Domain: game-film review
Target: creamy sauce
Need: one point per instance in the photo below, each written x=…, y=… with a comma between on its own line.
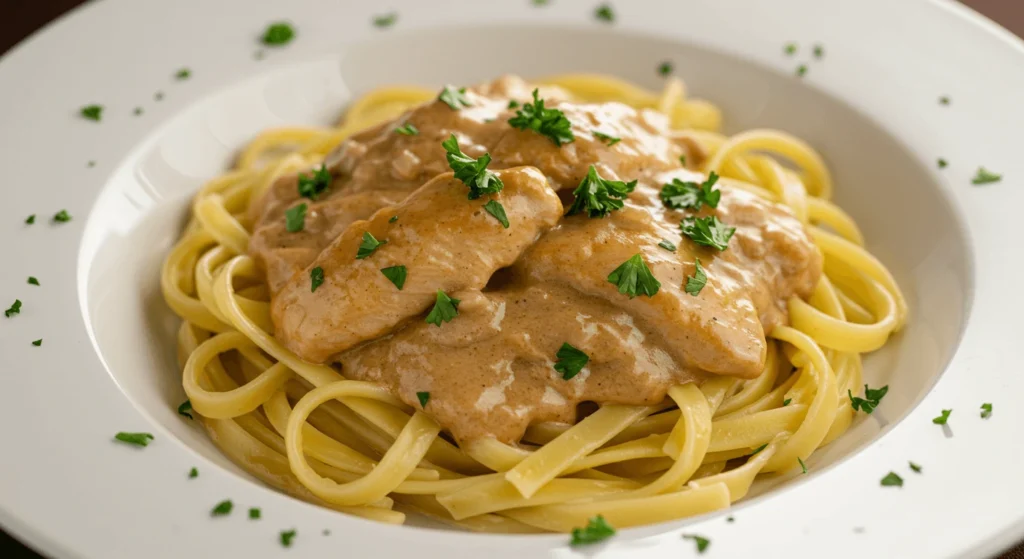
x=530, y=288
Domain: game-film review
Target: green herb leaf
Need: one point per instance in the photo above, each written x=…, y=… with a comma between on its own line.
x=393, y=219
x=667, y=245
x=137, y=111
x=193, y=473
x=943, y=418
x=802, y=465
x=595, y=531
x=62, y=216
x=183, y=74
x=942, y=163
x=915, y=467
x=598, y=196
x=311, y=186
x=872, y=397
x=369, y=245
x=730, y=519
x=801, y=70
x=819, y=51
x=943, y=100
x=92, y=112
x=986, y=411
x=540, y=2
x=984, y=176
x=454, y=98
x=697, y=281
x=786, y=402
x=687, y=194
x=185, y=408
x=546, y=122
x=445, y=309
x=570, y=361
x=892, y=480
x=633, y=278
x=608, y=140
x=472, y=172
x=759, y=449
x=38, y=342
x=423, y=397
x=702, y=543
x=286, y=537
x=280, y=33
x=295, y=218
x=495, y=208
x=14, y=309
x=665, y=68
x=512, y=103
x=316, y=278
x=32, y=280
x=408, y=130
x=395, y=274
x=604, y=13
x=707, y=231
x=255, y=513
x=90, y=164
x=386, y=20
x=137, y=439
x=223, y=508
x=30, y=219
x=789, y=49
x=682, y=160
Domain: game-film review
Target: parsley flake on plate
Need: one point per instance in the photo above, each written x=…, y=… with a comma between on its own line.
x=14, y=309
x=279, y=33
x=396, y=275
x=942, y=418
x=222, y=508
x=697, y=281
x=759, y=449
x=183, y=74
x=495, y=208
x=255, y=513
x=541, y=2
x=608, y=140
x=707, y=231
x=316, y=278
x=551, y=123
x=512, y=103
x=633, y=278
x=193, y=473
x=445, y=309
x=570, y=361
x=137, y=439
x=454, y=98
x=598, y=196
x=801, y=70
x=295, y=218
x=667, y=245
x=423, y=397
x=38, y=342
x=32, y=280
x=313, y=185
x=286, y=537
x=942, y=163
x=680, y=195
x=386, y=20
x=702, y=542
x=472, y=172
x=892, y=480
x=185, y=408
x=665, y=68
x=369, y=245
x=62, y=216
x=159, y=96
x=604, y=13
x=944, y=100
x=92, y=112
x=408, y=130
x=30, y=219
x=819, y=51
x=986, y=411
x=872, y=397
x=137, y=111
x=984, y=176
x=596, y=530
x=393, y=219
x=915, y=467
x=802, y=465
x=789, y=49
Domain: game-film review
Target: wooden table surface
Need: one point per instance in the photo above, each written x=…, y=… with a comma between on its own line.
x=21, y=17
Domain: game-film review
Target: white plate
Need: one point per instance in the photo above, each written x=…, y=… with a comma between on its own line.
x=870, y=105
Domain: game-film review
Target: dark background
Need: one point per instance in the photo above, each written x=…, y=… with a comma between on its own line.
x=19, y=18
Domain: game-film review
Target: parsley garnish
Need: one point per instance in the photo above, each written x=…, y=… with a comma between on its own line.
x=702, y=543
x=137, y=111
x=598, y=196
x=789, y=49
x=707, y=231
x=759, y=449
x=62, y=216
x=255, y=513
x=891, y=479
x=872, y=397
x=369, y=245
x=423, y=397
x=801, y=70
x=183, y=74
x=495, y=208
x=295, y=218
x=570, y=361
x=634, y=278
x=30, y=219
x=986, y=411
x=682, y=160
x=408, y=130
x=984, y=176
x=279, y=33
x=665, y=68
x=667, y=245
x=445, y=309
x=396, y=275
x=697, y=281
x=32, y=280
x=915, y=467
x=608, y=140
x=454, y=98
x=90, y=164
x=92, y=112
x=730, y=519
x=472, y=172
x=38, y=342
x=311, y=186
x=942, y=163
x=943, y=418
x=819, y=51
x=316, y=278
x=687, y=194
x=386, y=20
x=137, y=439
x=943, y=100
x=546, y=122
x=193, y=473
x=15, y=309
x=604, y=13
x=223, y=508
x=512, y=103
x=393, y=219
x=596, y=530
x=802, y=465
x=786, y=402
x=185, y=408
x=286, y=537
x=540, y=2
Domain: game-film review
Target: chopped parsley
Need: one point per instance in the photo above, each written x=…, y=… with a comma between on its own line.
x=90, y=164
x=407, y=130
x=38, y=342
x=137, y=439
x=707, y=231
x=682, y=160
x=185, y=408
x=546, y=122
x=386, y=20
x=30, y=219
x=92, y=112
x=984, y=176
x=595, y=531
x=445, y=309
x=819, y=51
x=280, y=33
x=688, y=194
x=423, y=397
x=986, y=411
x=255, y=513
x=759, y=449
x=604, y=13
x=872, y=397
x=512, y=103
x=801, y=70
x=944, y=100
x=634, y=278
x=892, y=480
x=802, y=465
x=223, y=508
x=14, y=309
x=286, y=537
x=667, y=245
x=193, y=473
x=495, y=208
x=62, y=216
x=396, y=275
x=943, y=417
x=32, y=280
x=454, y=98
x=295, y=218
x=730, y=519
x=702, y=542
x=570, y=361
x=316, y=278
x=598, y=196
x=786, y=402
x=472, y=172
x=915, y=467
x=369, y=245
x=665, y=68
x=789, y=49
x=137, y=111
x=608, y=140
x=942, y=163
x=183, y=74
x=159, y=96
x=311, y=186
x=540, y=2
x=697, y=281
x=393, y=219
